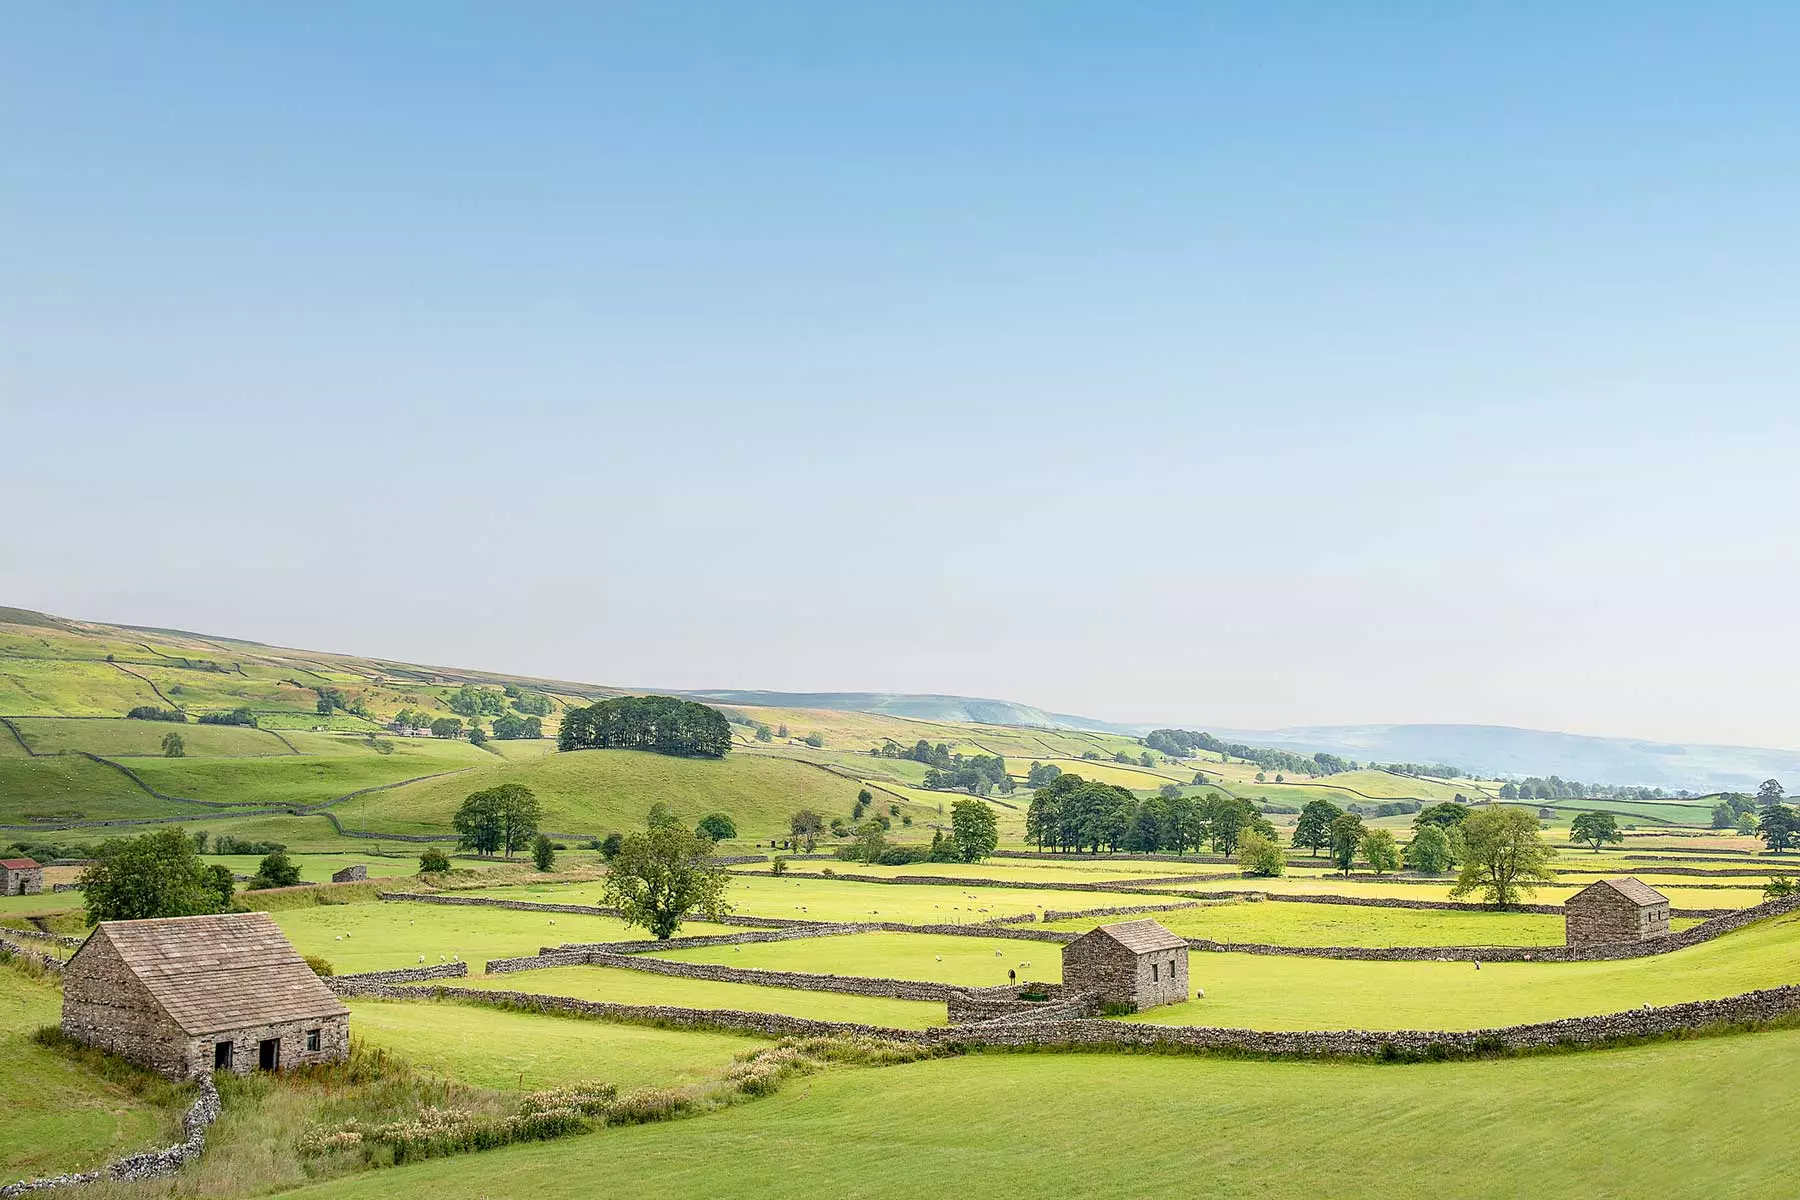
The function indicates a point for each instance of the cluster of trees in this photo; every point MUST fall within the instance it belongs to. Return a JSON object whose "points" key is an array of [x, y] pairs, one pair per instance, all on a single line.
{"points": [[149, 712], [920, 751], [497, 820], [1436, 770], [508, 728], [1386, 808], [1554, 788], [531, 704], [1072, 814], [471, 701], [1042, 775], [276, 870], [1735, 811], [661, 723], [236, 716], [977, 774], [227, 844], [1185, 743], [154, 875], [333, 699]]}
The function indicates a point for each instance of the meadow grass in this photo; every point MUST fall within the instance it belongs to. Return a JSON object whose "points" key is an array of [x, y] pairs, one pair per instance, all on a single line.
{"points": [[621, 986], [72, 788], [126, 738], [518, 1051], [385, 935], [304, 779], [1335, 925], [60, 687], [59, 1113], [1695, 1119], [934, 958]]}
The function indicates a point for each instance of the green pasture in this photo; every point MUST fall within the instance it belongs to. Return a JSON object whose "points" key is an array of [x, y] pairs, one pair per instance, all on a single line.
{"points": [[58, 1115], [68, 787], [1341, 925], [1273, 992], [593, 791], [112, 738], [621, 986], [1684, 1120], [1048, 872], [292, 780], [63, 687], [514, 1051], [385, 935], [932, 958]]}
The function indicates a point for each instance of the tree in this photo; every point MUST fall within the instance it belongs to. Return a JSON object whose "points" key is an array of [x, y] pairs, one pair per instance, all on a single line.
{"points": [[806, 826], [974, 829], [1770, 793], [1383, 853], [662, 874], [1313, 830], [154, 875], [1443, 815], [276, 870], [1779, 828], [497, 819], [662, 724], [1510, 791], [173, 746], [200, 841], [609, 846], [476, 734], [1346, 839], [871, 842], [1260, 856], [1723, 817], [763, 734], [1779, 887], [1505, 856], [718, 826], [216, 879], [543, 852], [1429, 850], [447, 727], [1596, 828], [433, 861]]}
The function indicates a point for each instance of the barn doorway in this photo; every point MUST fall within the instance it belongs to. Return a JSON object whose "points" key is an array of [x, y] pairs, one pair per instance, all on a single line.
{"points": [[268, 1055]]}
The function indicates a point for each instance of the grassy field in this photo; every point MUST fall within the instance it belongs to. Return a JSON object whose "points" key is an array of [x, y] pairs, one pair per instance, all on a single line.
{"points": [[1334, 925], [637, 987], [513, 1051], [1135, 1127], [935, 958], [380, 936], [59, 1115], [121, 738]]}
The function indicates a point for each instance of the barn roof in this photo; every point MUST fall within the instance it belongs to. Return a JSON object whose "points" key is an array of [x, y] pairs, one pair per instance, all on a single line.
{"points": [[1634, 890], [1142, 936], [220, 972], [19, 864]]}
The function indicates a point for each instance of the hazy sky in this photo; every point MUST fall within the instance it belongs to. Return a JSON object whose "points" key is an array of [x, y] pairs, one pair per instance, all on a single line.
{"points": [[1244, 365]]}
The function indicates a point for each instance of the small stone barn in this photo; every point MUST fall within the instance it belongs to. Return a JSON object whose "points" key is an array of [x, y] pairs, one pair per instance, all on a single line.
{"points": [[1131, 962], [185, 995], [20, 877], [1615, 910], [350, 874]]}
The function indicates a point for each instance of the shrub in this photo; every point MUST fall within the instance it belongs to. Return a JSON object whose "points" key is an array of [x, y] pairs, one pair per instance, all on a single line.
{"points": [[543, 853], [237, 716], [718, 826], [433, 861], [779, 865], [320, 965], [276, 870], [900, 856], [149, 712], [609, 846]]}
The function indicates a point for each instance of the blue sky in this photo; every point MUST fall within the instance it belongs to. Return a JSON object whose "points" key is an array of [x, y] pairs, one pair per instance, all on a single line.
{"points": [[1247, 365]]}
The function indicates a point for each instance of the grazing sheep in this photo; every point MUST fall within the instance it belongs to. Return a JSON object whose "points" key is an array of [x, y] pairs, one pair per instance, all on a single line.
{"points": [[421, 958]]}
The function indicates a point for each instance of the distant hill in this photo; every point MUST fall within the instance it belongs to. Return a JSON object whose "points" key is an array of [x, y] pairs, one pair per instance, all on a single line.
{"points": [[1499, 750], [965, 709]]}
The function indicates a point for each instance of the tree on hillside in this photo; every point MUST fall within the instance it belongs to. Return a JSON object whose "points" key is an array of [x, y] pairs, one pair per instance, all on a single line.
{"points": [[1443, 815], [1041, 774], [1596, 828], [1504, 855], [1779, 828], [871, 842], [498, 819], [1346, 839], [154, 875], [543, 852], [1383, 853], [447, 727], [806, 826], [1770, 793], [276, 870], [1260, 856], [661, 875], [718, 826], [1429, 850], [1510, 791], [173, 746], [974, 829], [663, 724], [1313, 830]]}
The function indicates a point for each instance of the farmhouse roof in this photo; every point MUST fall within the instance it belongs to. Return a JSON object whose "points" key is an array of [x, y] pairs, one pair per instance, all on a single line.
{"points": [[19, 864], [220, 972], [1142, 936], [1634, 890]]}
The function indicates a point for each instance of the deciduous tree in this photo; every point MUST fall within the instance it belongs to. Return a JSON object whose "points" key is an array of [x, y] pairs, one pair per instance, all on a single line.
{"points": [[153, 875], [1504, 856], [1595, 828], [662, 874], [974, 829]]}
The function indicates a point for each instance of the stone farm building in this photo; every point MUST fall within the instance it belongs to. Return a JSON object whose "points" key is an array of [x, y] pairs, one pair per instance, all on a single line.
{"points": [[1615, 910], [1131, 962], [350, 874], [20, 877], [189, 994]]}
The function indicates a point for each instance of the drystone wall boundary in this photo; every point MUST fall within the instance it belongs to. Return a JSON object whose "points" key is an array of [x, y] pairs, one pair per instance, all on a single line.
{"points": [[346, 985], [20, 950], [151, 1164]]}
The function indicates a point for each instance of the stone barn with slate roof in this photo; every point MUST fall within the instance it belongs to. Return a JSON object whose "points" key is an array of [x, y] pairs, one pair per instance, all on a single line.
{"points": [[1615, 910], [1131, 962], [185, 995], [350, 874], [20, 877]]}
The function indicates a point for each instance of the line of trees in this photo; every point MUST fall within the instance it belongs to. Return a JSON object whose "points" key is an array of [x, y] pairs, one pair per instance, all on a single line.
{"points": [[664, 724], [1075, 814], [498, 820]]}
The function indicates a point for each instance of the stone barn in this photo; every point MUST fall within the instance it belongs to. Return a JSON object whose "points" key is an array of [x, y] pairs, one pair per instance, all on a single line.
{"points": [[350, 874], [1615, 910], [185, 995], [20, 877], [1131, 962]]}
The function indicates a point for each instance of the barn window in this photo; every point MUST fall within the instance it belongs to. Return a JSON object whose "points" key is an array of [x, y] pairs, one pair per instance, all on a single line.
{"points": [[312, 1039], [221, 1056], [1152, 972]]}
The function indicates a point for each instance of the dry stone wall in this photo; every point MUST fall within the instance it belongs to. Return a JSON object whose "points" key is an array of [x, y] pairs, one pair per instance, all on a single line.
{"points": [[1051, 914], [151, 1164], [345, 985]]}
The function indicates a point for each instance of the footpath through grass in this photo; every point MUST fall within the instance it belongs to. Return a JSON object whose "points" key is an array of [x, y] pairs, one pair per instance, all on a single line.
{"points": [[1696, 1119]]}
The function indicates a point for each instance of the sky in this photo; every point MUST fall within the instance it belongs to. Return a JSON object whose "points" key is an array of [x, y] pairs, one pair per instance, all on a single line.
{"points": [[1249, 364]]}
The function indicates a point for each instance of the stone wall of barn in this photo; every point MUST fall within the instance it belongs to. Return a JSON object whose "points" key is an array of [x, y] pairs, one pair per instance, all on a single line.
{"points": [[105, 1005], [1601, 917], [246, 1044]]}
